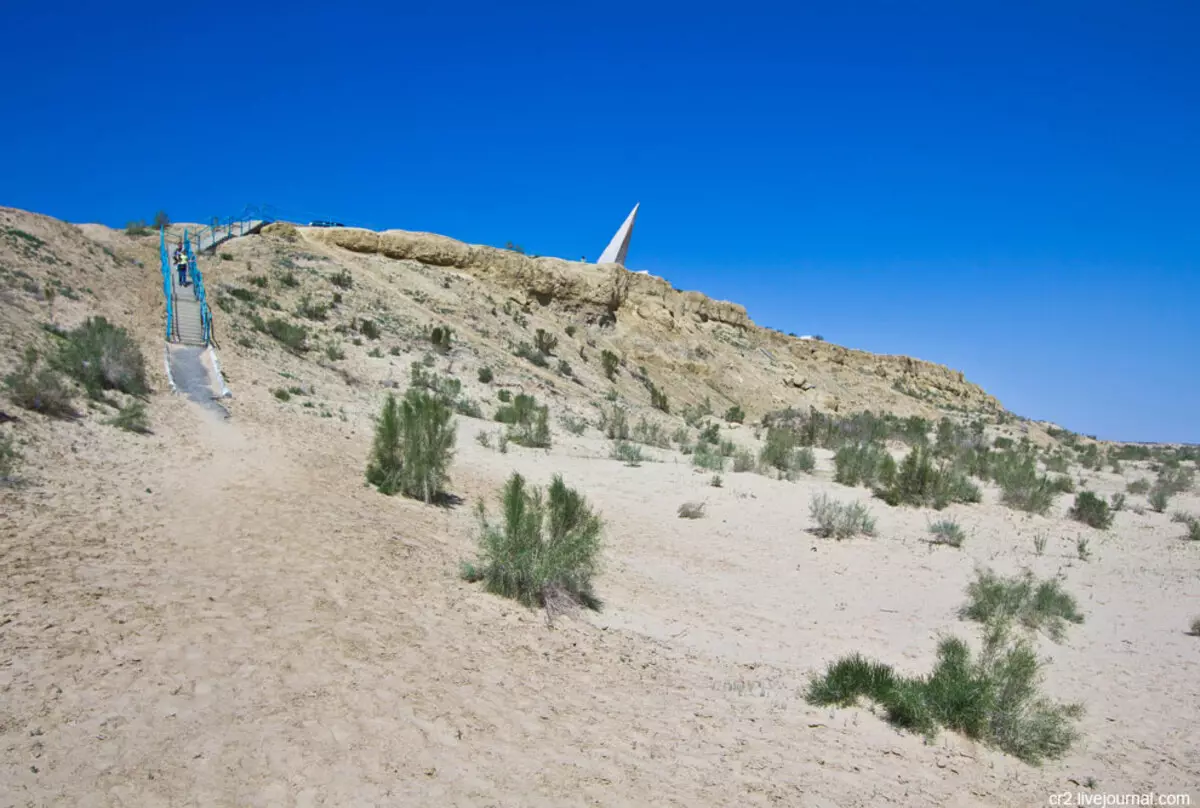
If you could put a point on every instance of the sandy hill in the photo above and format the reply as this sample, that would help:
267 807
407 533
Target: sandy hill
222 612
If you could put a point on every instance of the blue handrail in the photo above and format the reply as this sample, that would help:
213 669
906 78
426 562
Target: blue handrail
198 286
166 271
239 225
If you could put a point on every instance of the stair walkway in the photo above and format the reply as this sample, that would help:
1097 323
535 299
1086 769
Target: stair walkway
189 322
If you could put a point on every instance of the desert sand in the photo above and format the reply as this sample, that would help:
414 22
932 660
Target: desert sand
223 613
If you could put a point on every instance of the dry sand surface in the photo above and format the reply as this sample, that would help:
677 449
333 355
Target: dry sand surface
221 613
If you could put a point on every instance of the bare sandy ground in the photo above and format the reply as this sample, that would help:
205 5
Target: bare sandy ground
223 614
236 620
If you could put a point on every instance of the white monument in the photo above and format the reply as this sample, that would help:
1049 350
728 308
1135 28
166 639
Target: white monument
619 246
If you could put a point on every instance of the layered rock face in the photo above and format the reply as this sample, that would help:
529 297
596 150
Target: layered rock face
707 345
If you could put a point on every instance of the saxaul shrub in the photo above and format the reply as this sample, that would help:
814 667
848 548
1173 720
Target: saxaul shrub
544 551
414 443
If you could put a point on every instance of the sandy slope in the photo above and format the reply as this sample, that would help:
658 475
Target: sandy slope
222 614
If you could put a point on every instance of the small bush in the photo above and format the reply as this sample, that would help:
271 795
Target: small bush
918 482
1195 627
528 424
282 394
610 362
1021 486
226 256
658 399
442 338
576 426
485 375
368 328
804 460
564 369
342 280
1118 502
504 396
544 342
545 552
414 443
1139 486
9 458
947 531
484 438
1091 510
1192 523
716 481
309 310
1081 549
840 520
866 464
137 228
570 330
614 423
691 510
101 356
743 460
334 352
1159 497
40 389
535 358
258 280
293 337
132 418
993 697
735 415
707 457
1036 605
628 453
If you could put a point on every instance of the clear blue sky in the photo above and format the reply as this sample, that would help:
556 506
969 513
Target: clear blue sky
1012 189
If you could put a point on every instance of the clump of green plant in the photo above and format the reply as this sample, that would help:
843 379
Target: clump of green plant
442 338
40 389
708 457
658 399
1195 627
282 394
534 357
651 433
484 438
504 396
414 443
947 531
840 520
1039 543
528 424
1138 486
570 329
334 352
564 368
312 311
342 280
486 375
132 418
610 362
1091 510
1192 523
1036 605
919 482
293 337
9 458
573 425
369 328
867 464
544 342
101 356
735 414
628 453
546 549
715 481
993 697
1118 502
614 423
743 460
1081 549
1160 497
691 510
1021 486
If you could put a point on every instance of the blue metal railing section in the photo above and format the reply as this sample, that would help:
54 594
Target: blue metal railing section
220 230
166 270
198 286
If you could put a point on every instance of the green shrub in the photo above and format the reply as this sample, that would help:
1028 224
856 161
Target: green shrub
528 424
342 280
504 396
840 520
1192 523
282 394
485 375
710 433
258 280
707 457
691 510
715 481
735 415
293 337
743 460
866 464
918 482
947 531
993 698
1195 627
414 443
628 453
9 458
658 399
546 550
576 426
132 418
1139 486
1159 497
137 228
1062 484
610 363
564 368
1020 484
778 448
1034 604
334 352
570 329
651 433
312 311
535 358
442 338
101 356
614 423
544 342
1091 510
40 389
368 328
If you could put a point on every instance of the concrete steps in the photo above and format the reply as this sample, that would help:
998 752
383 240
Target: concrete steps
188 323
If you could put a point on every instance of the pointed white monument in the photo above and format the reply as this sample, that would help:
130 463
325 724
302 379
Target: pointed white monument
619 246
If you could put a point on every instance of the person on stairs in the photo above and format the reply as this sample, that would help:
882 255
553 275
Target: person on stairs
182 265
